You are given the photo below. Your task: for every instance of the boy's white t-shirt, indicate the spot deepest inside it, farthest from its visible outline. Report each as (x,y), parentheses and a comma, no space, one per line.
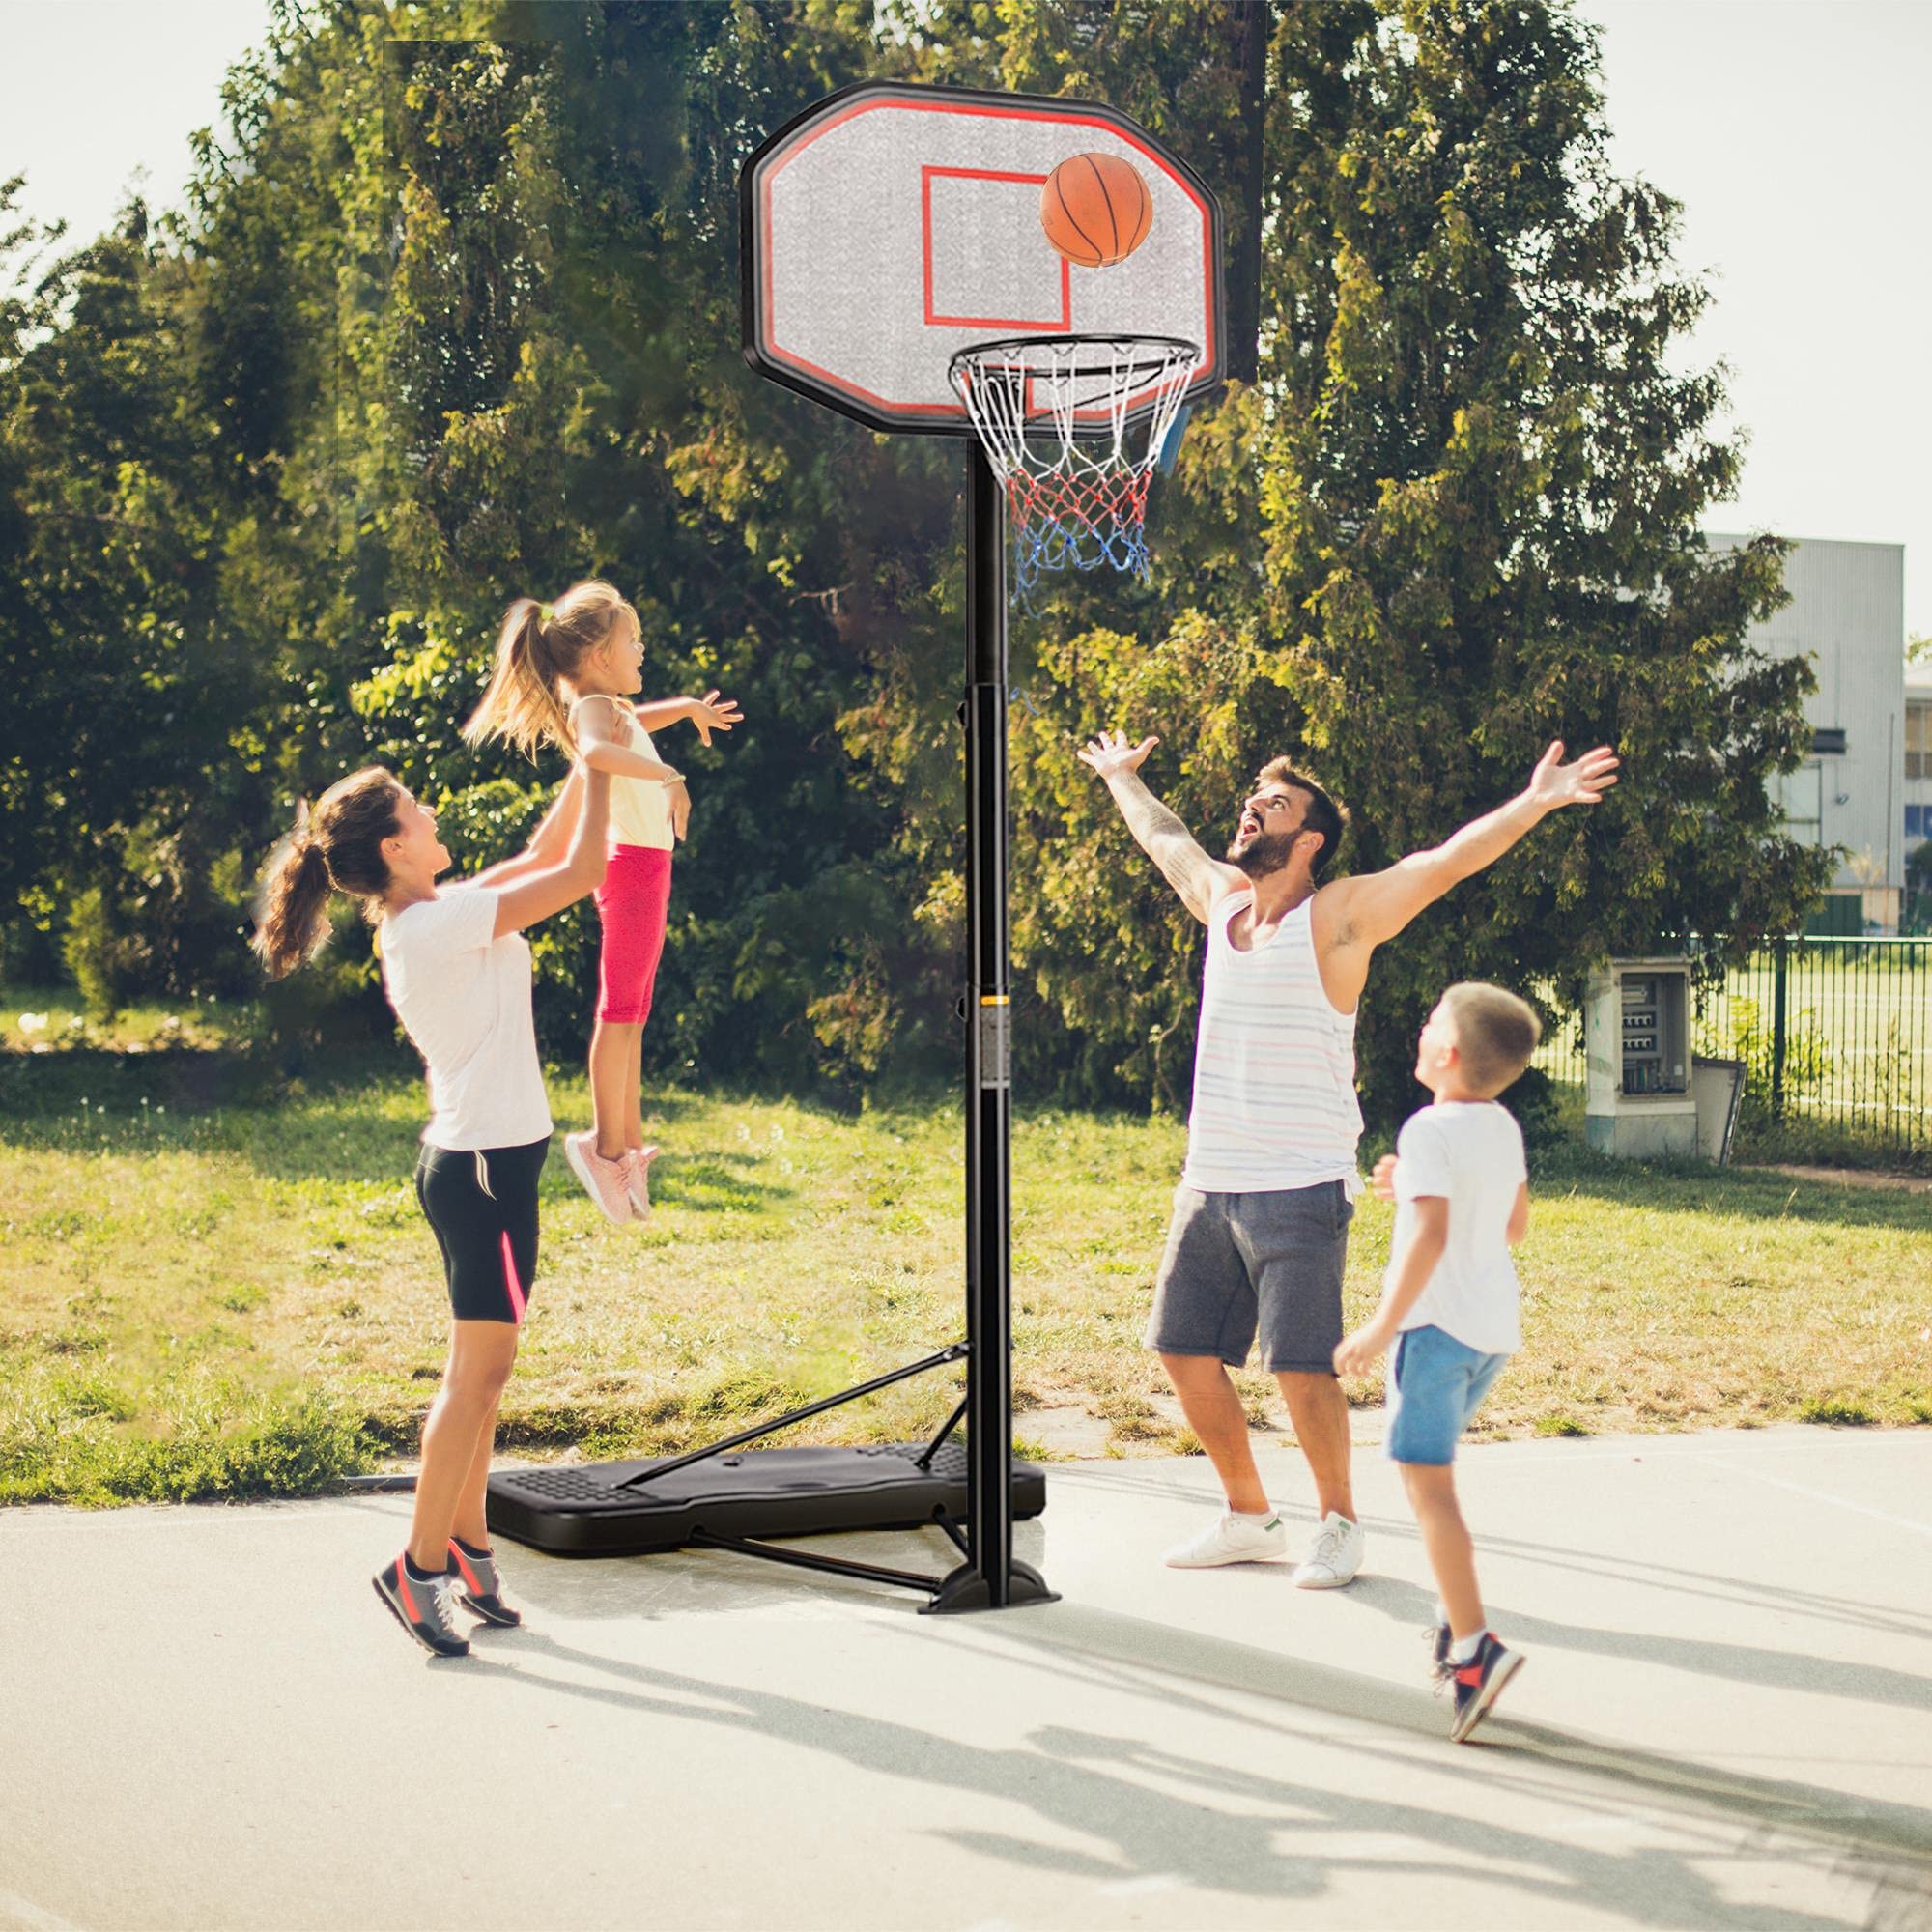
(463,998)
(1469,1153)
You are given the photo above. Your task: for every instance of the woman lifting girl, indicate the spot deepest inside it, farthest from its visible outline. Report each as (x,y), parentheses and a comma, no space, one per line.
(456,971)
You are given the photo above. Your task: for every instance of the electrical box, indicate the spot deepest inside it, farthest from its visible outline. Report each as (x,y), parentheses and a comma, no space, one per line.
(1636,1035)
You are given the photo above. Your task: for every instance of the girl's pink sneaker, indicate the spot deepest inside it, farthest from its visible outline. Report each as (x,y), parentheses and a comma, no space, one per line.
(636,1166)
(604,1181)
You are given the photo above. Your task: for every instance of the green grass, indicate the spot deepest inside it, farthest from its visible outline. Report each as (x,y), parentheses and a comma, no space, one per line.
(37,1020)
(229,1290)
(1837,1413)
(79,1435)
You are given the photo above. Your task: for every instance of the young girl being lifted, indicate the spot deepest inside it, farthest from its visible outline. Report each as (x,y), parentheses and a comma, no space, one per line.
(564,676)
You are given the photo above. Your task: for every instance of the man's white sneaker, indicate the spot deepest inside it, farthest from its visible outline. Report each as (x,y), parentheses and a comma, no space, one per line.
(1333,1557)
(1232,1539)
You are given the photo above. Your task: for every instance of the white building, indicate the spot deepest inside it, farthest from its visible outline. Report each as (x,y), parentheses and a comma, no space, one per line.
(1918,757)
(1847,613)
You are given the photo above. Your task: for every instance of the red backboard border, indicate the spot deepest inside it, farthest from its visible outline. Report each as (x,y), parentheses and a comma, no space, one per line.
(771,359)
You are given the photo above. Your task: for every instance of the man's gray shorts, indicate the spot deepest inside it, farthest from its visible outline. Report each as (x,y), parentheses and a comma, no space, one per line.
(1235,1263)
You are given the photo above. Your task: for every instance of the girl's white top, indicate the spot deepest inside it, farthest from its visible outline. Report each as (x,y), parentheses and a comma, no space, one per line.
(463,999)
(1470,1154)
(1274,1065)
(640,808)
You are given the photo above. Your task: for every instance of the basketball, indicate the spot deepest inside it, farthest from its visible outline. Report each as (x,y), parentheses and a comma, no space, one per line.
(1095,210)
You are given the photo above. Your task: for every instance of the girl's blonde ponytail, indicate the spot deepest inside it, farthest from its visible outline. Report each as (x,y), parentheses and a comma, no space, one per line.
(538,647)
(520,704)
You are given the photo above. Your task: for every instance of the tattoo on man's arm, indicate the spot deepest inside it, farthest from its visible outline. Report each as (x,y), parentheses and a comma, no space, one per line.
(1165,840)
(1174,850)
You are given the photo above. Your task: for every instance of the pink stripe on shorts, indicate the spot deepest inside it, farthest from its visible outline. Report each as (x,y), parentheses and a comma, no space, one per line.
(632,904)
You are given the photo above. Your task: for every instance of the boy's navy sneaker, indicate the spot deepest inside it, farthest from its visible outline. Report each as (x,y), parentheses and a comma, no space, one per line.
(422,1607)
(1479,1682)
(1441,1641)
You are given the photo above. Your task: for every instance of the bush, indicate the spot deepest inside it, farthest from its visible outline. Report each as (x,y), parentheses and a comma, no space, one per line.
(1748,1035)
(167,922)
(1533,1100)
(103,962)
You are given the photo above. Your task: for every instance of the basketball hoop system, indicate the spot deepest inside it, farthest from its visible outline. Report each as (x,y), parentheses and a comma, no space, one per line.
(1073,426)
(886,233)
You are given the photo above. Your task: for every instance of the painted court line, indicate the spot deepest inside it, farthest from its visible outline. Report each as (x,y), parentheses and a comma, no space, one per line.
(23,1914)
(1824,1496)
(1525,1456)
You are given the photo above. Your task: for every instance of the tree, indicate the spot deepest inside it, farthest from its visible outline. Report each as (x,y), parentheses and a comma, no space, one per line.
(120,682)
(448,319)
(526,373)
(1458,517)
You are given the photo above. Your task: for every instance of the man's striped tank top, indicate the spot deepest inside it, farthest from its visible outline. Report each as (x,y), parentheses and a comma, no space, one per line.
(1274,1065)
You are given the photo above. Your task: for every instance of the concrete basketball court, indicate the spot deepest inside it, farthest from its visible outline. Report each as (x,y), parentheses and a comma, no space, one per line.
(1725,1720)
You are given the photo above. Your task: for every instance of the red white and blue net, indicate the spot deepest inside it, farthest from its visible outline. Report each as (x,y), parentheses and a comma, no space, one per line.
(1073,426)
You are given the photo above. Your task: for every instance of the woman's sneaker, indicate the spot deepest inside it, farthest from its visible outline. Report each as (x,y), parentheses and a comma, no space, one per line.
(1232,1539)
(637,1179)
(603,1180)
(1479,1682)
(421,1606)
(1334,1557)
(478,1587)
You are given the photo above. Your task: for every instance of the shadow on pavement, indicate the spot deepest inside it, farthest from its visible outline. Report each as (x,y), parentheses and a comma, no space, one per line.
(1164,1816)
(1158,1486)
(1788,1669)
(1136,1644)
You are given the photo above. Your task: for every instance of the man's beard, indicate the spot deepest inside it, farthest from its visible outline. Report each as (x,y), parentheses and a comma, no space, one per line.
(1268,852)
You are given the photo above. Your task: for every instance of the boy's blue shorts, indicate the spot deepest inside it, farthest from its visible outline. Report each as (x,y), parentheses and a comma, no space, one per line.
(1436,1384)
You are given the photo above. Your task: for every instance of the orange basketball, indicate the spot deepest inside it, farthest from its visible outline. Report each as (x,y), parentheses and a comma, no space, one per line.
(1095,210)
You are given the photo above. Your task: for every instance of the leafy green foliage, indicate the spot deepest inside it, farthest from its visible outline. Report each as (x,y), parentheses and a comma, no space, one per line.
(453,318)
(1456,520)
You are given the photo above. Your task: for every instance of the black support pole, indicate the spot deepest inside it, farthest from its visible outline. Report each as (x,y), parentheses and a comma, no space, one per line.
(990,1579)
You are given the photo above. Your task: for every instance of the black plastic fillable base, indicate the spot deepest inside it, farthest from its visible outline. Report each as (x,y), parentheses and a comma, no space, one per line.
(604,1509)
(966,1589)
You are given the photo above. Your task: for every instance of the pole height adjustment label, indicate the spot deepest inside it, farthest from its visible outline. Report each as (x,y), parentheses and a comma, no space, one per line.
(996,1058)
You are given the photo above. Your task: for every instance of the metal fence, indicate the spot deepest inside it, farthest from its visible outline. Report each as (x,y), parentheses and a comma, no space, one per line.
(1836,1036)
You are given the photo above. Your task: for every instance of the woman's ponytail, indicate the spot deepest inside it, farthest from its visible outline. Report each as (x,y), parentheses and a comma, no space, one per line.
(291,915)
(336,848)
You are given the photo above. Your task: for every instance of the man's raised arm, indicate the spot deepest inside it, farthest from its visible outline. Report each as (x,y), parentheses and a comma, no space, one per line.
(1199,879)
(1376,906)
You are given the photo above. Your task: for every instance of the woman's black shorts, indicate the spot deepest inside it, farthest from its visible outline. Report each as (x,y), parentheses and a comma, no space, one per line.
(482,1205)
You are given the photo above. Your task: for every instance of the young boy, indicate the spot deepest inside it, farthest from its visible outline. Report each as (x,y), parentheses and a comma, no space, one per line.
(1449,1300)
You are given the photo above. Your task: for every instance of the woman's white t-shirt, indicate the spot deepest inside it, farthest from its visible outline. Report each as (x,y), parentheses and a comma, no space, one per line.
(463,998)
(1468,1153)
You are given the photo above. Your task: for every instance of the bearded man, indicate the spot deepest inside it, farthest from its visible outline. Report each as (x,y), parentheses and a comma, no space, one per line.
(1261,1220)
